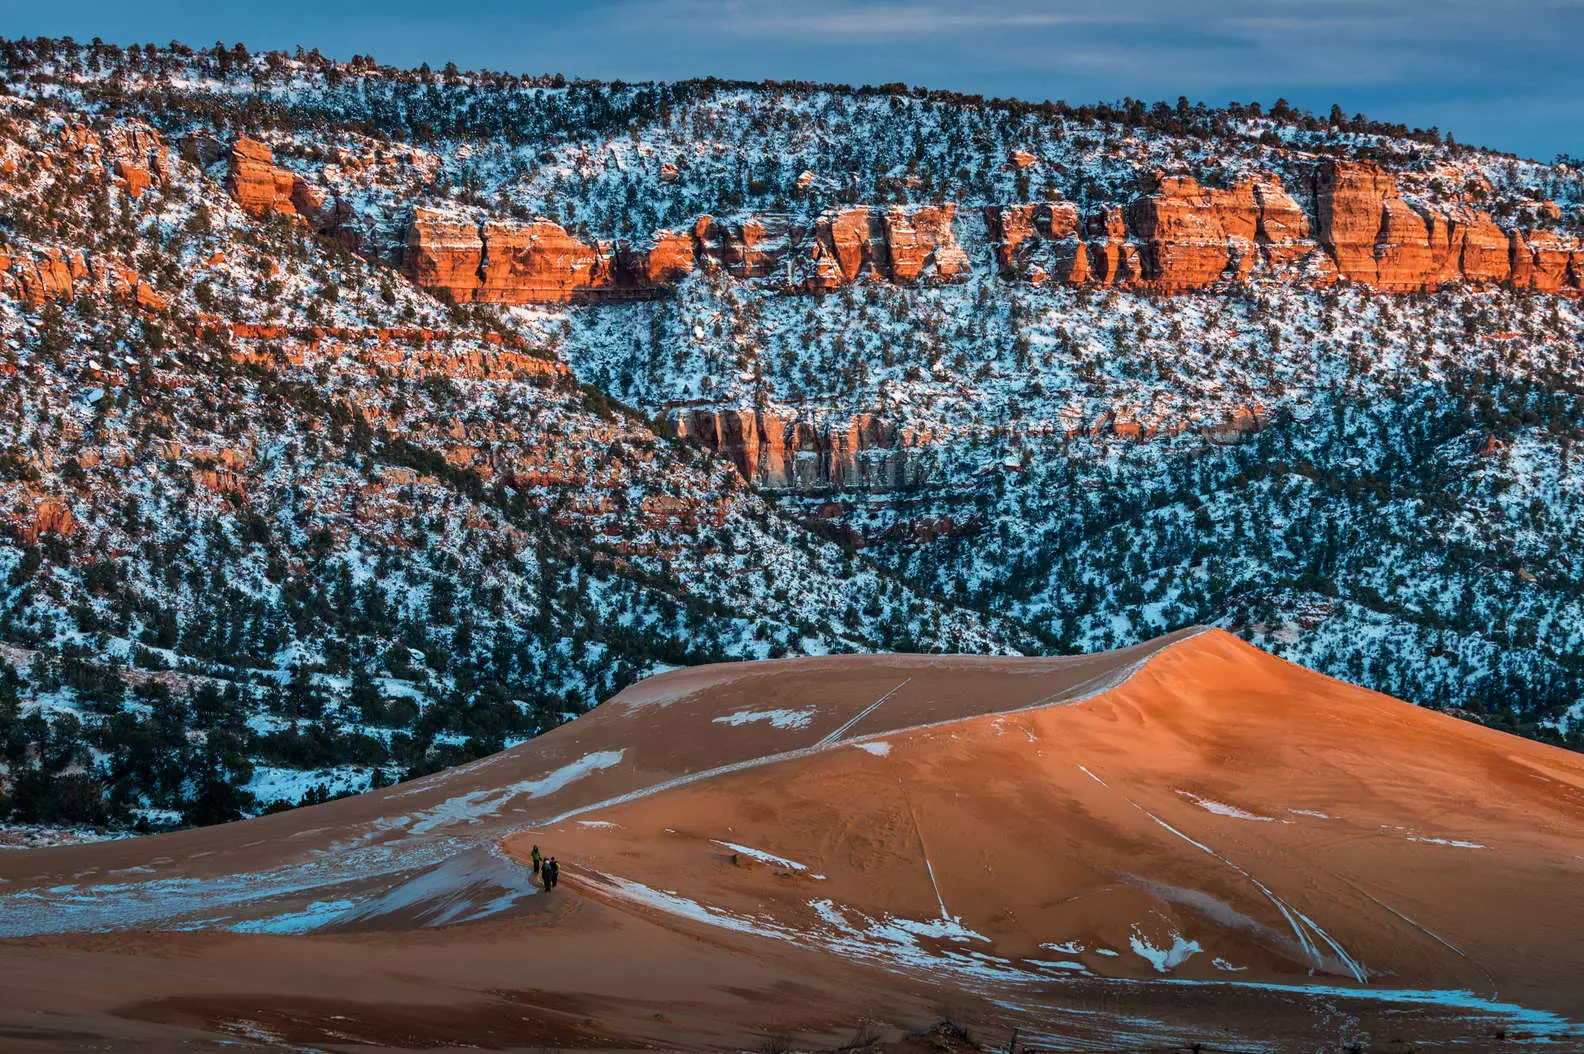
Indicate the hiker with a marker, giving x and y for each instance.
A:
(538, 859)
(552, 872)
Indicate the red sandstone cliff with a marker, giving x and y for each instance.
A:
(894, 244)
(60, 275)
(1343, 220)
(1178, 235)
(507, 262)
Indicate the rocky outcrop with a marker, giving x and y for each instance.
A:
(254, 181)
(1381, 240)
(1377, 238)
(923, 244)
(668, 260)
(1546, 262)
(1191, 236)
(130, 152)
(1348, 221)
(62, 275)
(798, 454)
(46, 277)
(202, 150)
(1038, 243)
(330, 217)
(537, 263)
(446, 252)
(50, 516)
(756, 247)
(1176, 236)
(263, 189)
(506, 262)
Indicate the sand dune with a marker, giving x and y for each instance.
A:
(1189, 841)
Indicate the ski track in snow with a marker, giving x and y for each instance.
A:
(871, 708)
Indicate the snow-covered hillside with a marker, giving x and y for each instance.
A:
(282, 523)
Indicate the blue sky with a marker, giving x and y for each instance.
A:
(1502, 73)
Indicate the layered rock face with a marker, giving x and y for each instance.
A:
(1175, 237)
(537, 263)
(756, 247)
(793, 454)
(893, 244)
(1378, 238)
(506, 262)
(254, 181)
(1190, 235)
(444, 252)
(1353, 224)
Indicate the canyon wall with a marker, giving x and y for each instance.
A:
(1333, 220)
(1344, 220)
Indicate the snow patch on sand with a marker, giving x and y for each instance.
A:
(1459, 843)
(879, 748)
(319, 913)
(934, 946)
(473, 885)
(765, 858)
(1223, 809)
(1163, 958)
(1064, 947)
(474, 806)
(785, 719)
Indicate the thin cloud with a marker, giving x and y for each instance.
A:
(836, 20)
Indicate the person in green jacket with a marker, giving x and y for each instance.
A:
(538, 859)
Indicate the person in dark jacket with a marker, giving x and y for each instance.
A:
(552, 871)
